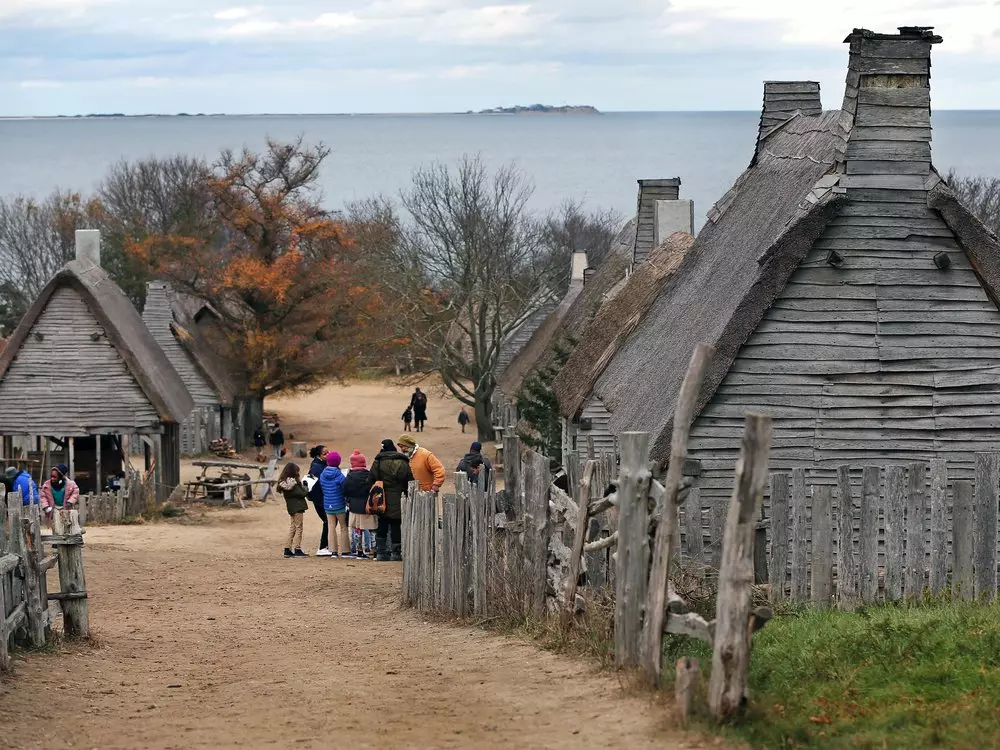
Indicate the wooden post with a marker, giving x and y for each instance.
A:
(667, 526)
(693, 527)
(462, 554)
(916, 558)
(406, 532)
(939, 525)
(868, 547)
(579, 538)
(778, 569)
(847, 561)
(731, 649)
(536, 530)
(962, 549)
(31, 562)
(984, 527)
(98, 484)
(632, 573)
(684, 685)
(72, 584)
(800, 533)
(822, 545)
(72, 457)
(449, 510)
(895, 513)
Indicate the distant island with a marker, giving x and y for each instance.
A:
(542, 109)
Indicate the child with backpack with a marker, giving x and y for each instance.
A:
(357, 487)
(291, 488)
(407, 419)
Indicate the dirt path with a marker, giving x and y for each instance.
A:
(208, 638)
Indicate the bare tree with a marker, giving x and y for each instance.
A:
(572, 229)
(467, 269)
(981, 195)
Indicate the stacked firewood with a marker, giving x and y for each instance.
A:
(222, 448)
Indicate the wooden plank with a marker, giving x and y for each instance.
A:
(631, 573)
(579, 538)
(821, 567)
(848, 573)
(938, 502)
(909, 97)
(448, 513)
(895, 525)
(883, 66)
(76, 617)
(800, 543)
(984, 527)
(778, 558)
(731, 649)
(916, 508)
(667, 526)
(537, 531)
(694, 526)
(869, 531)
(962, 541)
(33, 576)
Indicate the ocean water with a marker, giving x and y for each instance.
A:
(596, 158)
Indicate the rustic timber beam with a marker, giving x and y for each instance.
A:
(601, 543)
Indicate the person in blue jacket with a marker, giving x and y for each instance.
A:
(335, 505)
(20, 481)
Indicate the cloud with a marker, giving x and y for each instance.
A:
(232, 14)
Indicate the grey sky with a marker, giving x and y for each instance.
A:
(133, 56)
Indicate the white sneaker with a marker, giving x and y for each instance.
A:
(324, 553)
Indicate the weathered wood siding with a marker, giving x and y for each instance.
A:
(520, 337)
(600, 417)
(203, 424)
(651, 191)
(782, 99)
(68, 379)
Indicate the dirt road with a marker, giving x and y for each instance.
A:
(206, 637)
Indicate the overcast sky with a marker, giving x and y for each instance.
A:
(316, 56)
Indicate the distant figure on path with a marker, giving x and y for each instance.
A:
(290, 486)
(318, 465)
(277, 441)
(59, 492)
(475, 465)
(408, 419)
(463, 418)
(20, 481)
(418, 402)
(392, 469)
(335, 504)
(259, 441)
(426, 467)
(356, 488)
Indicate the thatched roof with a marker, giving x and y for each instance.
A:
(567, 324)
(125, 330)
(612, 325)
(739, 262)
(192, 317)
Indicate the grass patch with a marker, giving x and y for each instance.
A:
(888, 677)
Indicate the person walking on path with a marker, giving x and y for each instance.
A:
(291, 488)
(426, 467)
(418, 402)
(259, 441)
(356, 488)
(318, 465)
(463, 418)
(277, 441)
(408, 419)
(20, 481)
(59, 492)
(475, 465)
(335, 505)
(392, 469)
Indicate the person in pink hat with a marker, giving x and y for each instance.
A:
(357, 486)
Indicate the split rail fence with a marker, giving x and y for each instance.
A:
(27, 607)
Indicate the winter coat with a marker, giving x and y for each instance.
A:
(392, 468)
(332, 482)
(316, 469)
(70, 496)
(427, 469)
(418, 402)
(277, 438)
(24, 484)
(356, 488)
(294, 494)
(469, 463)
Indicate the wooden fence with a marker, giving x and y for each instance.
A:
(909, 530)
(27, 608)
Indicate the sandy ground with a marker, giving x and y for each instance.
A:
(206, 637)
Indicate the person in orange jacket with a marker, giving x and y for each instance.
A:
(426, 467)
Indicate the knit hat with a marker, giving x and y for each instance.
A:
(333, 458)
(388, 446)
(358, 461)
(476, 447)
(406, 440)
(62, 469)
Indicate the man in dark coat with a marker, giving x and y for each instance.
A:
(418, 402)
(392, 468)
(475, 465)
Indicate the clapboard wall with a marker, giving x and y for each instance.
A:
(517, 340)
(604, 440)
(651, 191)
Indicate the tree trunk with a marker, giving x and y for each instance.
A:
(484, 415)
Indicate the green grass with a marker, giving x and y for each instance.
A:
(889, 677)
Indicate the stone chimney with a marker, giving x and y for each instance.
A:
(588, 274)
(887, 109)
(579, 266)
(651, 192)
(88, 246)
(782, 99)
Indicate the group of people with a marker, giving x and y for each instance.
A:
(275, 437)
(415, 413)
(58, 492)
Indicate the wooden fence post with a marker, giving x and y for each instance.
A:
(667, 526)
(822, 545)
(731, 648)
(939, 525)
(632, 570)
(984, 528)
(463, 559)
(449, 514)
(916, 556)
(536, 531)
(800, 532)
(778, 569)
(72, 584)
(693, 528)
(962, 549)
(409, 560)
(579, 539)
(847, 561)
(31, 560)
(895, 515)
(868, 558)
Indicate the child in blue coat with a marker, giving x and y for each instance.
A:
(335, 505)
